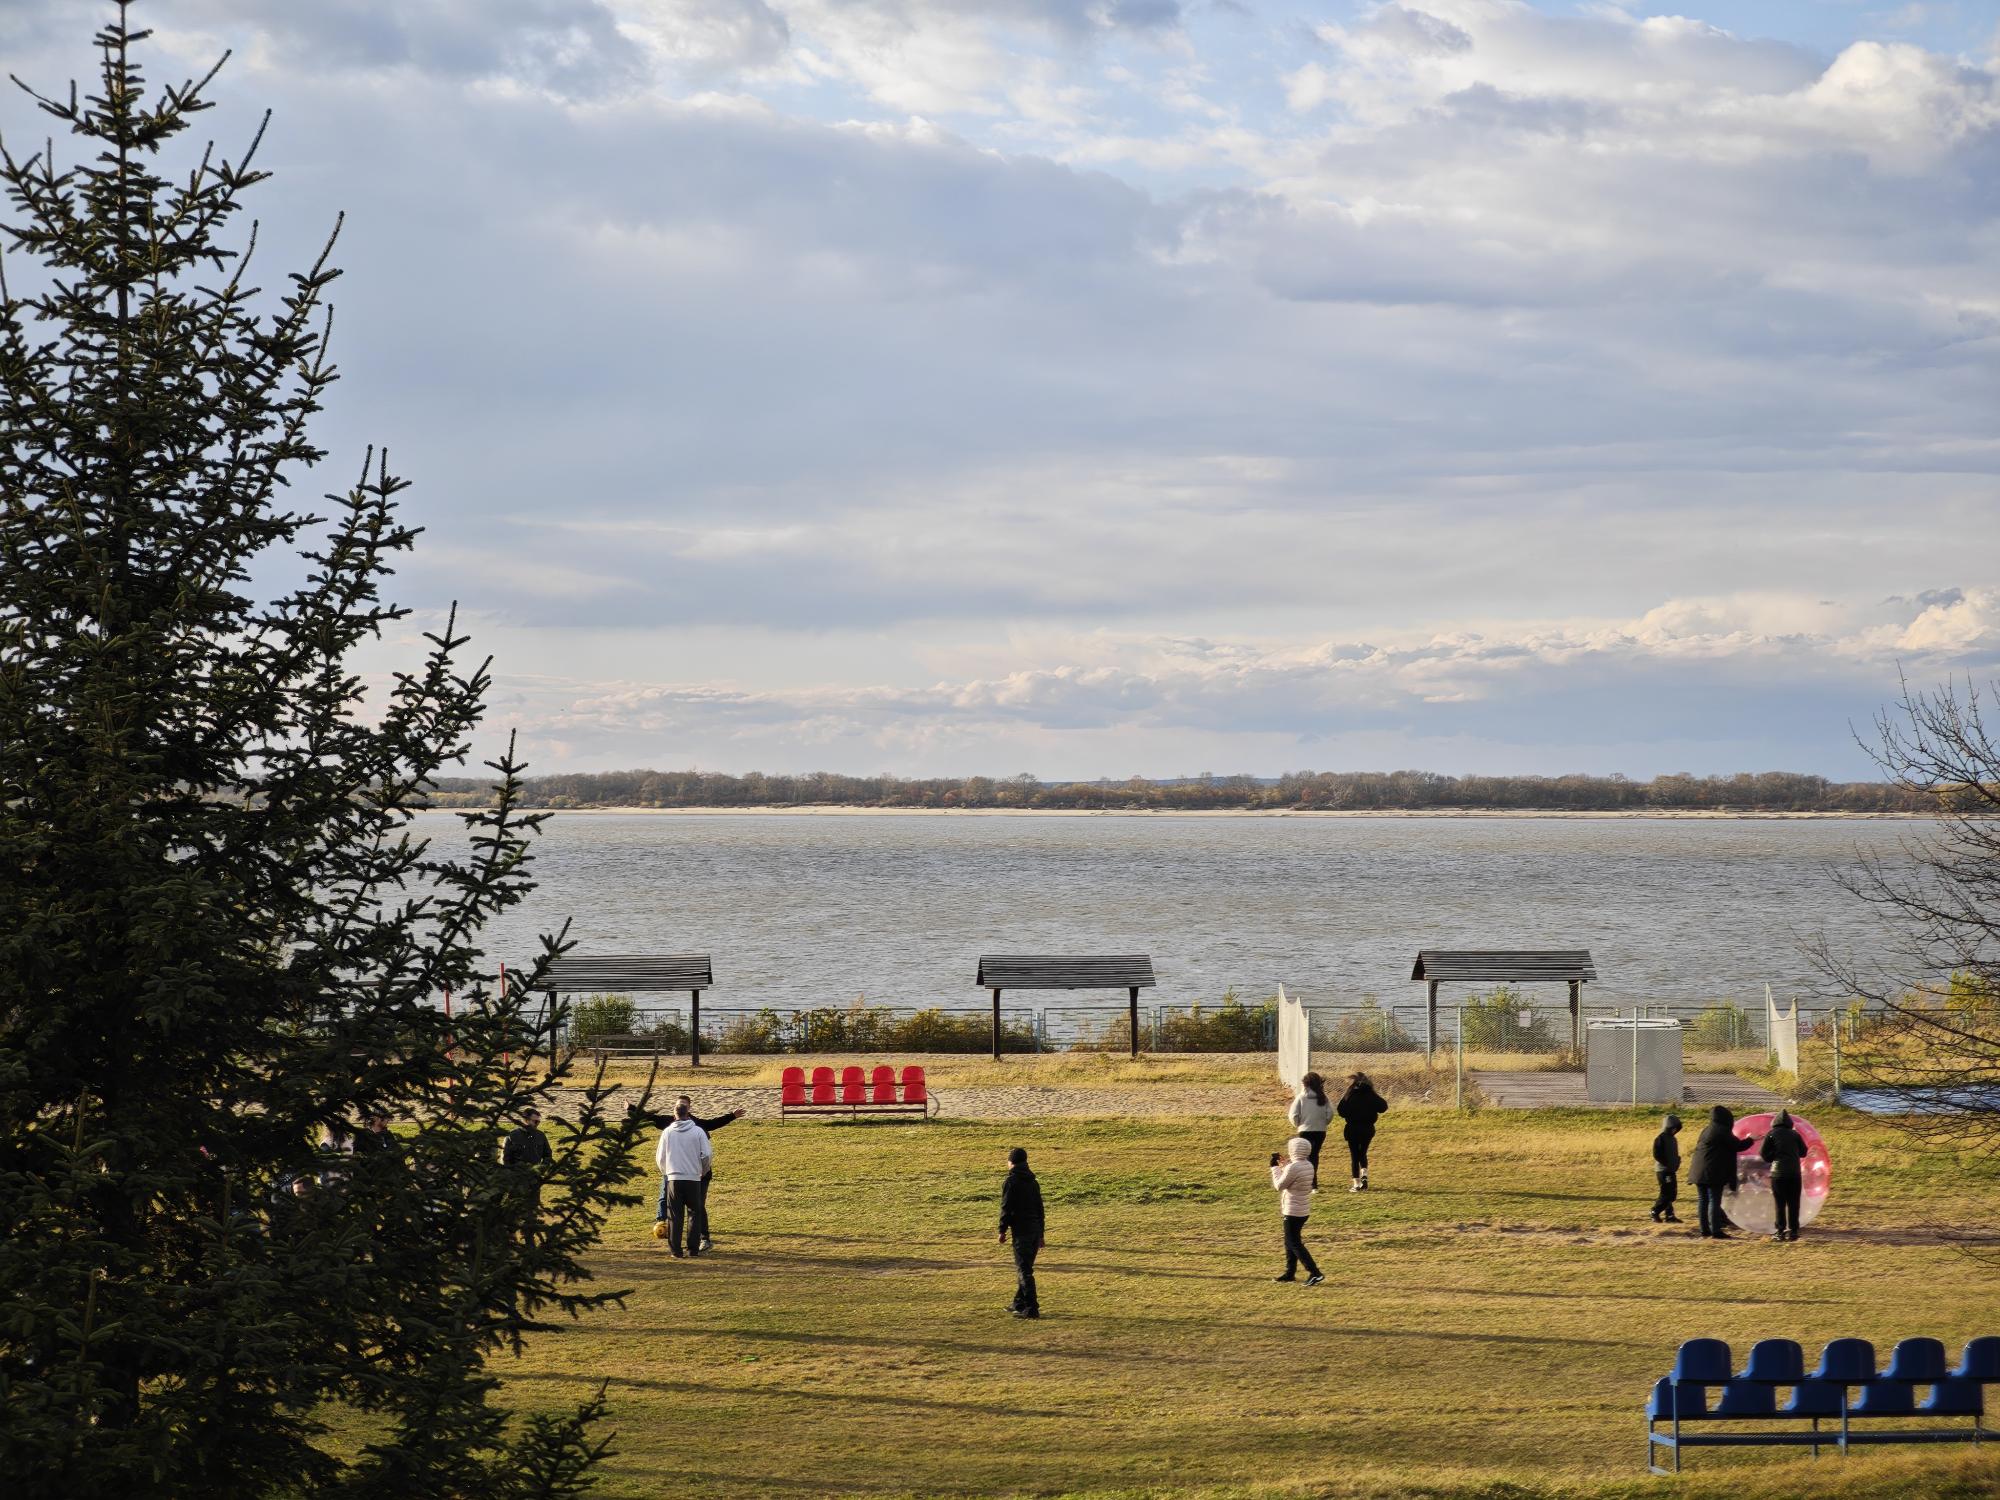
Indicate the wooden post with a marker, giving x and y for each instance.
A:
(1575, 1016)
(996, 1026)
(1132, 1007)
(694, 1028)
(1431, 1024)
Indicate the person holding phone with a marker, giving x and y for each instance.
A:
(1292, 1176)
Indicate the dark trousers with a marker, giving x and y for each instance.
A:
(1670, 1188)
(707, 1178)
(1709, 1201)
(1026, 1247)
(1357, 1153)
(684, 1209)
(1314, 1139)
(1786, 1192)
(1296, 1254)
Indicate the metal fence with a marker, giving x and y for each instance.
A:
(1364, 1025)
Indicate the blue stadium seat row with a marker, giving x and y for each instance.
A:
(1845, 1387)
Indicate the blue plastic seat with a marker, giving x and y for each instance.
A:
(1981, 1361)
(1846, 1362)
(1815, 1398)
(1746, 1398)
(1885, 1398)
(1702, 1362)
(1919, 1361)
(1776, 1362)
(1954, 1398)
(1667, 1397)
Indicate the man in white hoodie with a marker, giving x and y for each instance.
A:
(683, 1156)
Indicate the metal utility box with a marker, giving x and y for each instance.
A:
(1632, 1062)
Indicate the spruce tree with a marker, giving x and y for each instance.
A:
(220, 929)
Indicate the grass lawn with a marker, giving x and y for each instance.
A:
(1496, 1310)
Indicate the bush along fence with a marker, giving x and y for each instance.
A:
(1500, 1020)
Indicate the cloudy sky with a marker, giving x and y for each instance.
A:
(1098, 387)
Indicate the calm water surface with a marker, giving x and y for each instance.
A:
(802, 911)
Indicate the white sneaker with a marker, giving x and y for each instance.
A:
(1355, 1188)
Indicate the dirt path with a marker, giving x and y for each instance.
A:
(1029, 1102)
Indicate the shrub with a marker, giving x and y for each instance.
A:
(1365, 1028)
(1721, 1024)
(1503, 1020)
(761, 1032)
(1231, 1026)
(602, 1015)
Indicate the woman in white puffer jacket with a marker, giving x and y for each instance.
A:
(1292, 1176)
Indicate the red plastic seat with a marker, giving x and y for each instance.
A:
(793, 1086)
(885, 1085)
(913, 1085)
(852, 1089)
(822, 1086)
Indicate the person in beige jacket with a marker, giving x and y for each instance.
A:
(1292, 1176)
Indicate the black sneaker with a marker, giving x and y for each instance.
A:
(1315, 1279)
(1026, 1312)
(1671, 1219)
(1288, 1276)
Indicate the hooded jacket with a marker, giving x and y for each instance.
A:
(1021, 1206)
(683, 1153)
(1309, 1113)
(1784, 1148)
(1294, 1179)
(1359, 1108)
(1712, 1164)
(1666, 1148)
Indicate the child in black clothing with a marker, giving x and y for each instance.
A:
(1666, 1169)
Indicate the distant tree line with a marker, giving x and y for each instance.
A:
(1315, 791)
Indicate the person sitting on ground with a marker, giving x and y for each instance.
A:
(1021, 1211)
(1292, 1176)
(1712, 1170)
(1785, 1149)
(1666, 1166)
(1359, 1108)
(682, 1156)
(1312, 1112)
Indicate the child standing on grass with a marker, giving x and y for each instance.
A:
(1666, 1170)
(1292, 1176)
(1359, 1108)
(1312, 1112)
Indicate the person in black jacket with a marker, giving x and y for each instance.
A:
(1359, 1108)
(711, 1125)
(1666, 1164)
(1712, 1169)
(526, 1150)
(1021, 1211)
(1785, 1149)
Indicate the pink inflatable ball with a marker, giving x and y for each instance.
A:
(1751, 1206)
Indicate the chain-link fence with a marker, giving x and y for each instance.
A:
(1499, 1021)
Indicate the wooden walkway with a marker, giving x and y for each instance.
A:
(1510, 1090)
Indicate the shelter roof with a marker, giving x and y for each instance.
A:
(1505, 965)
(1090, 971)
(628, 973)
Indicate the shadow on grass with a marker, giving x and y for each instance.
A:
(766, 1392)
(898, 1344)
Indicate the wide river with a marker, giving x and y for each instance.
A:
(810, 911)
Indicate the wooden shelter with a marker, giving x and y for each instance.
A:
(1130, 972)
(637, 974)
(1571, 966)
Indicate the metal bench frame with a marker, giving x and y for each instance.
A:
(925, 1108)
(1815, 1439)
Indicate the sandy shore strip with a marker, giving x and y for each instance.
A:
(1651, 814)
(1020, 1102)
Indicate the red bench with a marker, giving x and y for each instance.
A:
(854, 1094)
